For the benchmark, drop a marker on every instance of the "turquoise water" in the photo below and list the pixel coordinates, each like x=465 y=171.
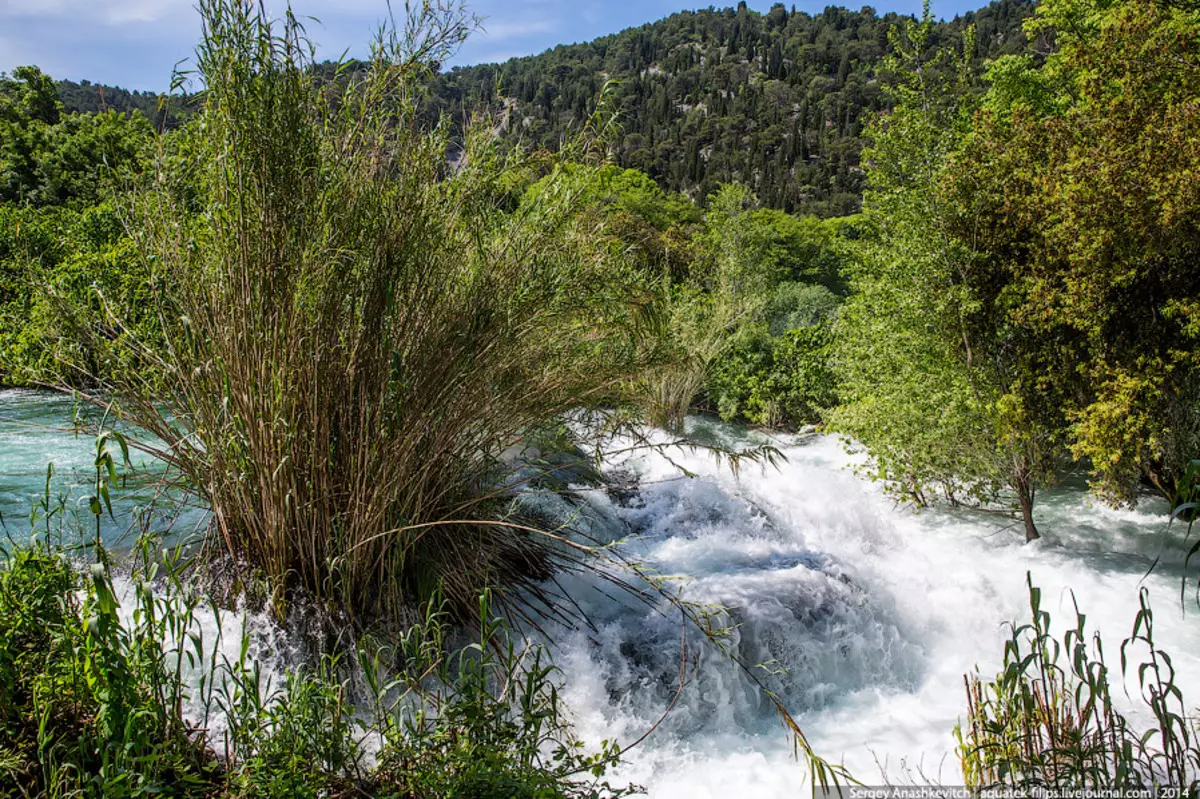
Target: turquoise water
x=36 y=430
x=869 y=613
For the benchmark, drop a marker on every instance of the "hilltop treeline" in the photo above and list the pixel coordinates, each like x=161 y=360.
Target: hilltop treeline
x=96 y=98
x=777 y=101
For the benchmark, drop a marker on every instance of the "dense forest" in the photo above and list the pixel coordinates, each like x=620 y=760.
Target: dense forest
x=778 y=102
x=94 y=98
x=364 y=312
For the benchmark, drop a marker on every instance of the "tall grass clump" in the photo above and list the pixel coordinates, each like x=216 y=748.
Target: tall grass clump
x=357 y=328
x=1049 y=720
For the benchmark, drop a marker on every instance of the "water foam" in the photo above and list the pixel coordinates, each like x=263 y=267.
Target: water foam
x=874 y=611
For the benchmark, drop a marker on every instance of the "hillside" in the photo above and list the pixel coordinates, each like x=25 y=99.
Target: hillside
x=92 y=98
x=777 y=101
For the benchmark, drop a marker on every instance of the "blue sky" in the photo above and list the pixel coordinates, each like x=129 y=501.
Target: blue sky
x=135 y=43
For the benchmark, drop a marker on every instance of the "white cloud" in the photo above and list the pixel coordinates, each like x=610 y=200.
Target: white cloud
x=111 y=12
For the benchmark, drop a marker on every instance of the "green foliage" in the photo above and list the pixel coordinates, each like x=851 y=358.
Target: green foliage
x=51 y=158
x=1048 y=719
x=118 y=682
x=906 y=395
x=795 y=305
x=723 y=292
x=936 y=384
x=776 y=380
x=737 y=315
x=1030 y=290
x=498 y=734
x=630 y=192
x=97 y=674
x=1077 y=185
x=63 y=253
x=776 y=370
x=164 y=112
x=776 y=101
x=356 y=334
x=655 y=231
x=910 y=391
x=61 y=267
x=87 y=711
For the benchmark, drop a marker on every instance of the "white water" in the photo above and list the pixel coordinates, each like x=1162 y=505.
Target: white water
x=875 y=612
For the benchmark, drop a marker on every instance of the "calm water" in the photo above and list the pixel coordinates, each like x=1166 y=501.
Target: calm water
x=36 y=429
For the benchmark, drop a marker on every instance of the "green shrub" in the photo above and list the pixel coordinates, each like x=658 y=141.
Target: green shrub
x=61 y=268
x=500 y=733
x=90 y=708
x=796 y=305
x=776 y=381
x=95 y=682
x=1048 y=718
x=48 y=158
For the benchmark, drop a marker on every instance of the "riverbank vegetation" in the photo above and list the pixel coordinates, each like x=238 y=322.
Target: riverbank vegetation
x=1049 y=719
x=355 y=333
x=124 y=686
x=1029 y=299
x=351 y=326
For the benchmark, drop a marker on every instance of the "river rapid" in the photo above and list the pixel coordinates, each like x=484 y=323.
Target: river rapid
x=866 y=614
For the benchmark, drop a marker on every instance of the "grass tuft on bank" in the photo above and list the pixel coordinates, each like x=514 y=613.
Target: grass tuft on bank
x=115 y=686
x=359 y=325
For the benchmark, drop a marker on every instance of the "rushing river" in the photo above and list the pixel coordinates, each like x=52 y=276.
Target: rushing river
x=874 y=612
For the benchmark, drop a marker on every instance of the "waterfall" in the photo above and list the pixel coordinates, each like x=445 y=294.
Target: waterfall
x=868 y=615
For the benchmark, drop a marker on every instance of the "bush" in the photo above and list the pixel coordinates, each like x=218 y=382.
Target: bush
x=500 y=734
x=1048 y=718
x=95 y=681
x=355 y=332
x=89 y=708
x=60 y=267
x=796 y=305
x=776 y=381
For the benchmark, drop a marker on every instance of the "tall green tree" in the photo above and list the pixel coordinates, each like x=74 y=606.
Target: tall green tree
x=1079 y=184
x=932 y=382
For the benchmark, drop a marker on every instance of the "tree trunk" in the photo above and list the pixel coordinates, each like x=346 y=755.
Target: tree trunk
x=1025 y=496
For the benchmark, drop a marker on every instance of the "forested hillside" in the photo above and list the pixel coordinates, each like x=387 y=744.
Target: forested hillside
x=93 y=98
x=775 y=101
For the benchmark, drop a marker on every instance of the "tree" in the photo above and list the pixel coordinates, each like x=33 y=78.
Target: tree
x=933 y=378
x=51 y=158
x=28 y=106
x=1079 y=184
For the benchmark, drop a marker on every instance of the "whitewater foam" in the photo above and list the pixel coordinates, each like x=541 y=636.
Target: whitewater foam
x=875 y=613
